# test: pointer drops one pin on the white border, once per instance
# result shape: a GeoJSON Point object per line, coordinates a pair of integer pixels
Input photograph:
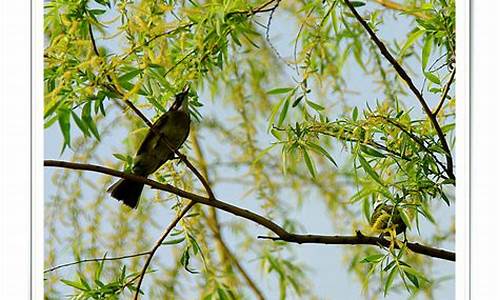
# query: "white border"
{"type": "Point", "coordinates": [15, 157]}
{"type": "Point", "coordinates": [462, 271]}
{"type": "Point", "coordinates": [37, 224]}
{"type": "Point", "coordinates": [485, 150]}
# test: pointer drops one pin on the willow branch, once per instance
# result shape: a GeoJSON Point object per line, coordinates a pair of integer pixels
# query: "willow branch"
{"type": "Point", "coordinates": [251, 216]}
{"type": "Point", "coordinates": [402, 73]}
{"type": "Point", "coordinates": [159, 243]}
{"type": "Point", "coordinates": [445, 93]}
{"type": "Point", "coordinates": [96, 260]}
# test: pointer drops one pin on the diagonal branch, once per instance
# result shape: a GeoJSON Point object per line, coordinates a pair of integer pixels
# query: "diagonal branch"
{"type": "Point", "coordinates": [282, 234]}
{"type": "Point", "coordinates": [399, 69]}
{"type": "Point", "coordinates": [445, 93]}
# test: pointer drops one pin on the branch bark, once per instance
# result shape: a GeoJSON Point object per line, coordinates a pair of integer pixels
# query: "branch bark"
{"type": "Point", "coordinates": [281, 233]}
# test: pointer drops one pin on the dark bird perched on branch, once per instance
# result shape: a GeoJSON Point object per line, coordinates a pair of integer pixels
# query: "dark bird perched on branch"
{"type": "Point", "coordinates": [166, 136]}
{"type": "Point", "coordinates": [385, 217]}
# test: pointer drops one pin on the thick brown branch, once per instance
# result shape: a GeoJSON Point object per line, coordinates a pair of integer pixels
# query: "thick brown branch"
{"type": "Point", "coordinates": [246, 214]}
{"type": "Point", "coordinates": [402, 73]}
{"type": "Point", "coordinates": [360, 239]}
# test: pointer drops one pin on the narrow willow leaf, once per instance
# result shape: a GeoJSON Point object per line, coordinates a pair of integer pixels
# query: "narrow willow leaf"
{"type": "Point", "coordinates": [372, 152]}
{"type": "Point", "coordinates": [375, 258]}
{"type": "Point", "coordinates": [174, 242]}
{"type": "Point", "coordinates": [274, 112]}
{"type": "Point", "coordinates": [129, 76]}
{"type": "Point", "coordinates": [284, 111]}
{"type": "Point", "coordinates": [410, 41]}
{"type": "Point", "coordinates": [389, 280]}
{"type": "Point", "coordinates": [80, 123]}
{"type": "Point", "coordinates": [320, 150]}
{"type": "Point", "coordinates": [315, 106]}
{"type": "Point", "coordinates": [426, 51]}
{"type": "Point", "coordinates": [369, 170]}
{"type": "Point", "coordinates": [279, 91]}
{"type": "Point", "coordinates": [263, 152]}
{"type": "Point", "coordinates": [309, 163]}
{"type": "Point", "coordinates": [63, 116]}
{"type": "Point", "coordinates": [357, 3]}
{"type": "Point", "coordinates": [433, 78]}
{"type": "Point", "coordinates": [355, 114]}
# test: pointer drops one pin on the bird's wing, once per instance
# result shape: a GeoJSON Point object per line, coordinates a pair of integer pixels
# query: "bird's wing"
{"type": "Point", "coordinates": [152, 138]}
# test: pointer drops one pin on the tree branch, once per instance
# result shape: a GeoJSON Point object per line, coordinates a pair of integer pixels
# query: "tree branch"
{"type": "Point", "coordinates": [95, 260]}
{"type": "Point", "coordinates": [246, 214]}
{"type": "Point", "coordinates": [445, 93]}
{"type": "Point", "coordinates": [158, 244]}
{"type": "Point", "coordinates": [399, 69]}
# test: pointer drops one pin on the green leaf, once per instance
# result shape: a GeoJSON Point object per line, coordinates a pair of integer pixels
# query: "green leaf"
{"type": "Point", "coordinates": [433, 78]}
{"type": "Point", "coordinates": [279, 91]}
{"type": "Point", "coordinates": [129, 76]}
{"type": "Point", "coordinates": [120, 157]}
{"type": "Point", "coordinates": [373, 258]}
{"type": "Point", "coordinates": [74, 284]}
{"type": "Point", "coordinates": [405, 218]}
{"type": "Point", "coordinates": [297, 101]}
{"type": "Point", "coordinates": [366, 206]}
{"type": "Point", "coordinates": [357, 3]}
{"type": "Point", "coordinates": [411, 40]}
{"type": "Point", "coordinates": [175, 241]}
{"type": "Point", "coordinates": [372, 152]}
{"type": "Point", "coordinates": [309, 163]}
{"type": "Point", "coordinates": [87, 118]}
{"type": "Point", "coordinates": [315, 106]}
{"type": "Point", "coordinates": [97, 12]}
{"type": "Point", "coordinates": [263, 152]}
{"type": "Point", "coordinates": [63, 115]}
{"type": "Point", "coordinates": [426, 51]}
{"type": "Point", "coordinates": [369, 170]}
{"type": "Point", "coordinates": [274, 112]}
{"type": "Point", "coordinates": [284, 111]}
{"type": "Point", "coordinates": [50, 122]}
{"type": "Point", "coordinates": [80, 123]}
{"type": "Point", "coordinates": [389, 280]}
{"type": "Point", "coordinates": [320, 150]}
{"type": "Point", "coordinates": [355, 114]}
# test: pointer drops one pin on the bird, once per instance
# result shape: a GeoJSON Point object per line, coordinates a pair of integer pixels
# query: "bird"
{"type": "Point", "coordinates": [164, 137]}
{"type": "Point", "coordinates": [386, 216]}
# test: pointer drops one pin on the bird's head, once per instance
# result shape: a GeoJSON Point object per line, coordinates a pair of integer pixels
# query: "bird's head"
{"type": "Point", "coordinates": [181, 101]}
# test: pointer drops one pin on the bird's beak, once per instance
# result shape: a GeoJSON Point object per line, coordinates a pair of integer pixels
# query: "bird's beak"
{"type": "Point", "coordinates": [180, 99]}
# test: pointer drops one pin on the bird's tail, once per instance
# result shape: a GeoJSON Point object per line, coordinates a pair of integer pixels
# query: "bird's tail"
{"type": "Point", "coordinates": [127, 191]}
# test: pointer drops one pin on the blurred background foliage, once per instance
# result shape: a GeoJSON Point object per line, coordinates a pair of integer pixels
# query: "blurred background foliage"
{"type": "Point", "coordinates": [297, 116]}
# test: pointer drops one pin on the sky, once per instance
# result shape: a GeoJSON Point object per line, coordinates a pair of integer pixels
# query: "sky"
{"type": "Point", "coordinates": [328, 272]}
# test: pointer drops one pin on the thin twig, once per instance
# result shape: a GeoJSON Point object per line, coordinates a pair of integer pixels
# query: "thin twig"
{"type": "Point", "coordinates": [159, 243]}
{"type": "Point", "coordinates": [246, 214]}
{"type": "Point", "coordinates": [445, 93]}
{"type": "Point", "coordinates": [399, 69]}
{"type": "Point", "coordinates": [95, 260]}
